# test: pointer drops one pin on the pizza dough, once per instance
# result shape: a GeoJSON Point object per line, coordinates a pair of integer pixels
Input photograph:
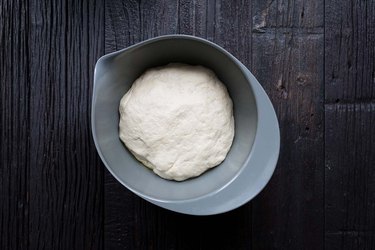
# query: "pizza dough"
{"type": "Point", "coordinates": [177, 120]}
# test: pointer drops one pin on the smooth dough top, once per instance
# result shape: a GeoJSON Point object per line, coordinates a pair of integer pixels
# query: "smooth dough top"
{"type": "Point", "coordinates": [177, 120]}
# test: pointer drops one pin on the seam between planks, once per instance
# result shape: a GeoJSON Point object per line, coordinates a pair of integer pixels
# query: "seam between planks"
{"type": "Point", "coordinates": [324, 125]}
{"type": "Point", "coordinates": [359, 102]}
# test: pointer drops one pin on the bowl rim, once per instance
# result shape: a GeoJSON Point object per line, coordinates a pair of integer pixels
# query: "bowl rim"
{"type": "Point", "coordinates": [251, 81]}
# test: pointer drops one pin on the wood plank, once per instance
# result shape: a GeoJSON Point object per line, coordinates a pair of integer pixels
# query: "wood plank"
{"type": "Point", "coordinates": [349, 50]}
{"type": "Point", "coordinates": [288, 14]}
{"type": "Point", "coordinates": [157, 228]}
{"type": "Point", "coordinates": [288, 62]}
{"type": "Point", "coordinates": [66, 177]}
{"type": "Point", "coordinates": [123, 27]}
{"type": "Point", "coordinates": [350, 176]}
{"type": "Point", "coordinates": [131, 222]}
{"type": "Point", "coordinates": [233, 28]}
{"type": "Point", "coordinates": [14, 125]}
{"type": "Point", "coordinates": [128, 22]}
{"type": "Point", "coordinates": [193, 18]}
{"type": "Point", "coordinates": [350, 240]}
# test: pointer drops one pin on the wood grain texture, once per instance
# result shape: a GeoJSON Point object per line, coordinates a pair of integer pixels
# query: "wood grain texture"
{"type": "Point", "coordinates": [192, 17]}
{"type": "Point", "coordinates": [288, 62]}
{"type": "Point", "coordinates": [349, 124]}
{"type": "Point", "coordinates": [350, 176]}
{"type": "Point", "coordinates": [14, 125]}
{"type": "Point", "coordinates": [349, 50]}
{"type": "Point", "coordinates": [124, 26]}
{"type": "Point", "coordinates": [271, 14]}
{"type": "Point", "coordinates": [233, 28]}
{"type": "Point", "coordinates": [65, 175]}
{"type": "Point", "coordinates": [129, 22]}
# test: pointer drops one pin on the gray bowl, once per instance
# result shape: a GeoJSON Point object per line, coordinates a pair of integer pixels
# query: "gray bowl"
{"type": "Point", "coordinates": [251, 160]}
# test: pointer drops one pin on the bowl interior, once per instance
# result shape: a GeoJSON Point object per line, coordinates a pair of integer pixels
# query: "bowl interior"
{"type": "Point", "coordinates": [114, 75]}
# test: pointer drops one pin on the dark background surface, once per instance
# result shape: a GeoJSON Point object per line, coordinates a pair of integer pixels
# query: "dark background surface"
{"type": "Point", "coordinates": [316, 61]}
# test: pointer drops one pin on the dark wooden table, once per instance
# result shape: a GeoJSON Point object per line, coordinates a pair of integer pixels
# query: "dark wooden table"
{"type": "Point", "coordinates": [316, 61]}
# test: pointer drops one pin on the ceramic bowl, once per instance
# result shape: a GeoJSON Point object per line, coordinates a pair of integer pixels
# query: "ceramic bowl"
{"type": "Point", "coordinates": [251, 160]}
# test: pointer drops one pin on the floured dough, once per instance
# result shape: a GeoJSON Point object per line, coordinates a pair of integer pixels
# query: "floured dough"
{"type": "Point", "coordinates": [177, 120]}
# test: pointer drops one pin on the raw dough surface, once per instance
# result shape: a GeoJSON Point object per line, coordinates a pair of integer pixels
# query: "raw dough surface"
{"type": "Point", "coordinates": [177, 120]}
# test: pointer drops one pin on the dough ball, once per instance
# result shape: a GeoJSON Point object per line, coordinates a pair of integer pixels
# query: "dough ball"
{"type": "Point", "coordinates": [177, 120]}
